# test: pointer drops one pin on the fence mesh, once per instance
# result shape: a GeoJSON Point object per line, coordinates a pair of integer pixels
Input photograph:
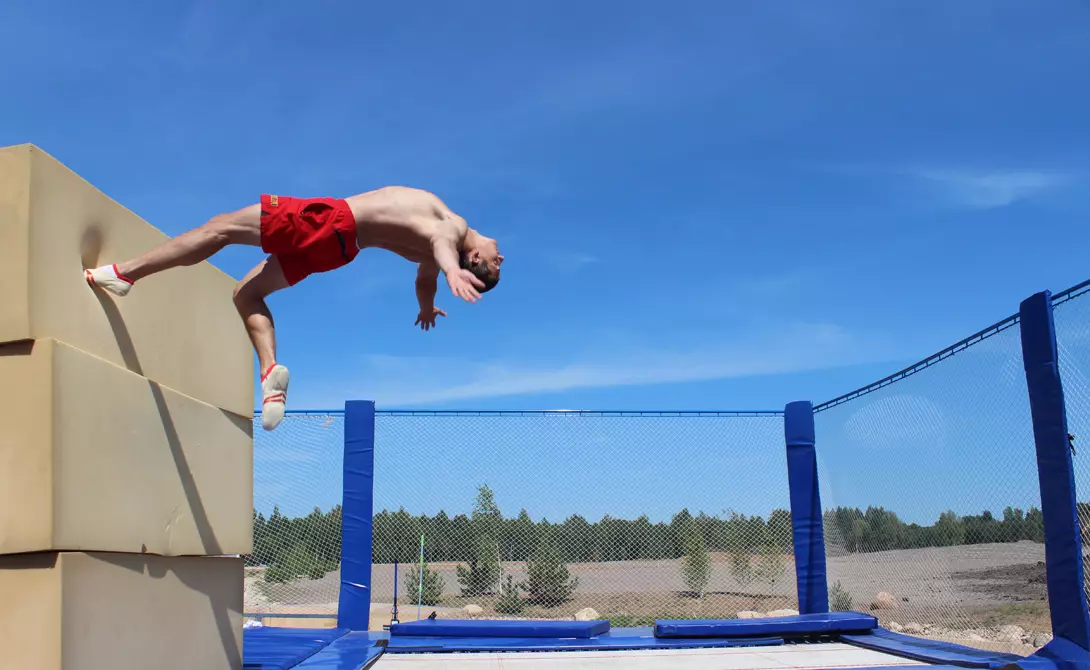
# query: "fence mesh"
{"type": "Point", "coordinates": [294, 568]}
{"type": "Point", "coordinates": [540, 515]}
{"type": "Point", "coordinates": [932, 503]}
{"type": "Point", "coordinates": [1072, 317]}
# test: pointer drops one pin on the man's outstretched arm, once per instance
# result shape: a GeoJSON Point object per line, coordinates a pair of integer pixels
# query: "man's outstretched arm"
{"type": "Point", "coordinates": [427, 275]}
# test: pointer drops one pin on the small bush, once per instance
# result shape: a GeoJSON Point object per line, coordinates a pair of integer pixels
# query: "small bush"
{"type": "Point", "coordinates": [430, 592]}
{"type": "Point", "coordinates": [839, 599]}
{"type": "Point", "coordinates": [548, 581]}
{"type": "Point", "coordinates": [483, 572]}
{"type": "Point", "coordinates": [695, 566]}
{"type": "Point", "coordinates": [741, 568]}
{"type": "Point", "coordinates": [509, 601]}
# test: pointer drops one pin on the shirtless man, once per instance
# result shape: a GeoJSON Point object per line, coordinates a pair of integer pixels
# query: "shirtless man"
{"type": "Point", "coordinates": [304, 236]}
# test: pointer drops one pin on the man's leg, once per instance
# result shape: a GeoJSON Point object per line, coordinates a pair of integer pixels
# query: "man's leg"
{"type": "Point", "coordinates": [191, 247]}
{"type": "Point", "coordinates": [250, 293]}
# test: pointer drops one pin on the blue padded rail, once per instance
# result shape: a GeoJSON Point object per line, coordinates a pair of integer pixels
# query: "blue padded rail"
{"type": "Point", "coordinates": [830, 623]}
{"type": "Point", "coordinates": [271, 648]}
{"type": "Point", "coordinates": [615, 639]}
{"type": "Point", "coordinates": [929, 651]}
{"type": "Point", "coordinates": [498, 628]}
{"type": "Point", "coordinates": [1060, 654]}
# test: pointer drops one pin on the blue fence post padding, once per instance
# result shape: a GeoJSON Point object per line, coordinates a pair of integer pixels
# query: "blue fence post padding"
{"type": "Point", "coordinates": [354, 608]}
{"type": "Point", "coordinates": [1063, 545]}
{"type": "Point", "coordinates": [809, 538]}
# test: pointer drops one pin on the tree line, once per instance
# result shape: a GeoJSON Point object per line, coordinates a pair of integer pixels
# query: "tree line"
{"type": "Point", "coordinates": [310, 545]}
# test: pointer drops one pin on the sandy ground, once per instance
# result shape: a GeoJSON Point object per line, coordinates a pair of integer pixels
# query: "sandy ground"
{"type": "Point", "coordinates": [966, 594]}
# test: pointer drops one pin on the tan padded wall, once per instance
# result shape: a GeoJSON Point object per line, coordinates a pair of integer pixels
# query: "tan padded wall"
{"type": "Point", "coordinates": [96, 458]}
{"type": "Point", "coordinates": [179, 328]}
{"type": "Point", "coordinates": [77, 611]}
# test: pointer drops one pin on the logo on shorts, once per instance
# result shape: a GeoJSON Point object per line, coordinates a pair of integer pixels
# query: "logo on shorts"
{"type": "Point", "coordinates": [274, 200]}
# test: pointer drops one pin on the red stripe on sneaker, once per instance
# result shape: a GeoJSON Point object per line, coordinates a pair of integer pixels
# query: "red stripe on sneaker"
{"type": "Point", "coordinates": [266, 375]}
{"type": "Point", "coordinates": [276, 397]}
{"type": "Point", "coordinates": [121, 276]}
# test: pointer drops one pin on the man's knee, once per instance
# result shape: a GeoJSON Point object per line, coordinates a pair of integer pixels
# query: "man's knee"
{"type": "Point", "coordinates": [242, 227]}
{"type": "Point", "coordinates": [245, 296]}
{"type": "Point", "coordinates": [218, 228]}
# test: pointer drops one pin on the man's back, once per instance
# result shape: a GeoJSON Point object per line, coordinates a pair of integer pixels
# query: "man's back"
{"type": "Point", "coordinates": [404, 220]}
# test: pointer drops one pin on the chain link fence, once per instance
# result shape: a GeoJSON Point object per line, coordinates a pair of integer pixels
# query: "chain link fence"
{"type": "Point", "coordinates": [542, 515]}
{"type": "Point", "coordinates": [295, 565]}
{"type": "Point", "coordinates": [1072, 317]}
{"type": "Point", "coordinates": [929, 486]}
{"type": "Point", "coordinates": [932, 502]}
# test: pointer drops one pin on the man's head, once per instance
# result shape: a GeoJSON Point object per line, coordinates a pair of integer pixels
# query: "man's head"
{"type": "Point", "coordinates": [481, 256]}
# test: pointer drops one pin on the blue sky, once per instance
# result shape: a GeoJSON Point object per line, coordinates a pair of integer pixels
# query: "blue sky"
{"type": "Point", "coordinates": [711, 205]}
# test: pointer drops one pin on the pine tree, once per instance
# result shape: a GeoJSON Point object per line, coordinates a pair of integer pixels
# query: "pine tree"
{"type": "Point", "coordinates": [509, 601]}
{"type": "Point", "coordinates": [695, 565]}
{"type": "Point", "coordinates": [428, 593]}
{"type": "Point", "coordinates": [483, 570]}
{"type": "Point", "coordinates": [548, 582]}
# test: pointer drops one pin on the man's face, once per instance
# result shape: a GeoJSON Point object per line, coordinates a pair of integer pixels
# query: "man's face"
{"type": "Point", "coordinates": [489, 253]}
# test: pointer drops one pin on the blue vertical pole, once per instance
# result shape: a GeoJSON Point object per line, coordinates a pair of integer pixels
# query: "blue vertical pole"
{"type": "Point", "coordinates": [808, 535]}
{"type": "Point", "coordinates": [1063, 544]}
{"type": "Point", "coordinates": [354, 608]}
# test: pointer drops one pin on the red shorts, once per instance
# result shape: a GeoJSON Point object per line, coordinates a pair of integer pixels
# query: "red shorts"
{"type": "Point", "coordinates": [307, 235]}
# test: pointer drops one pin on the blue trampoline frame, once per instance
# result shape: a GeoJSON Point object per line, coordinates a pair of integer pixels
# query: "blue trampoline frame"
{"type": "Point", "coordinates": [350, 646]}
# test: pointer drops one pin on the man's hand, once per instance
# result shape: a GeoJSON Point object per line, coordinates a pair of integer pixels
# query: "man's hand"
{"type": "Point", "coordinates": [464, 284]}
{"type": "Point", "coordinates": [426, 318]}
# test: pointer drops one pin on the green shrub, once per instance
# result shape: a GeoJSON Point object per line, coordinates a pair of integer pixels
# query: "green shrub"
{"type": "Point", "coordinates": [548, 582]}
{"type": "Point", "coordinates": [430, 592]}
{"type": "Point", "coordinates": [482, 573]}
{"type": "Point", "coordinates": [839, 599]}
{"type": "Point", "coordinates": [509, 601]}
{"type": "Point", "coordinates": [695, 566]}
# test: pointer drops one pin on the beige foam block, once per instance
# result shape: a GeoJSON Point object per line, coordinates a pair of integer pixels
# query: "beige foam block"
{"type": "Point", "coordinates": [179, 327]}
{"type": "Point", "coordinates": [94, 457]}
{"type": "Point", "coordinates": [80, 611]}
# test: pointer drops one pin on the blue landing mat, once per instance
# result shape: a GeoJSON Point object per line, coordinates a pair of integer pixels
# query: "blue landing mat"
{"type": "Point", "coordinates": [351, 652]}
{"type": "Point", "coordinates": [498, 628]}
{"type": "Point", "coordinates": [271, 648]}
{"type": "Point", "coordinates": [618, 638]}
{"type": "Point", "coordinates": [833, 623]}
{"type": "Point", "coordinates": [929, 651]}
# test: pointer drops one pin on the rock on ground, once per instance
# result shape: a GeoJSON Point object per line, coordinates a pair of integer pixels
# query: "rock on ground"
{"type": "Point", "coordinates": [472, 610]}
{"type": "Point", "coordinates": [586, 614]}
{"type": "Point", "coordinates": [749, 615]}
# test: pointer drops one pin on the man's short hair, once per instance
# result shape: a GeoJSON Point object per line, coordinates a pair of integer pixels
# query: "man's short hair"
{"type": "Point", "coordinates": [481, 271]}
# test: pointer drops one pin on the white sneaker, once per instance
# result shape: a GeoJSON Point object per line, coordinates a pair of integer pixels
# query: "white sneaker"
{"type": "Point", "coordinates": [274, 389]}
{"type": "Point", "coordinates": [106, 277]}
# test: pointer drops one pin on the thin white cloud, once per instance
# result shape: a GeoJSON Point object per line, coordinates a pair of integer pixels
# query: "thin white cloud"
{"type": "Point", "coordinates": [413, 381]}
{"type": "Point", "coordinates": [987, 189]}
{"type": "Point", "coordinates": [569, 261]}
